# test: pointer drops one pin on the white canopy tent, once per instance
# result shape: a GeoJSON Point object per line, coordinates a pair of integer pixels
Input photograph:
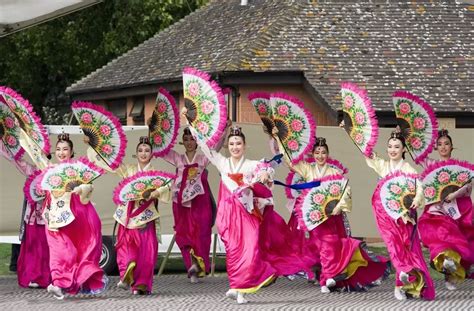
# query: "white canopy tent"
{"type": "Point", "coordinates": [16, 15]}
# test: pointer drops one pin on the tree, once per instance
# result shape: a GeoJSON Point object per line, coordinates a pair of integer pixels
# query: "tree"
{"type": "Point", "coordinates": [40, 62]}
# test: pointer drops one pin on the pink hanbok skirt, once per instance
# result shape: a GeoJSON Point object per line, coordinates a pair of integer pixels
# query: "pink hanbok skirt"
{"type": "Point", "coordinates": [139, 246]}
{"type": "Point", "coordinates": [75, 251]}
{"type": "Point", "coordinates": [247, 270]}
{"type": "Point", "coordinates": [33, 262]}
{"type": "Point", "coordinates": [405, 251]}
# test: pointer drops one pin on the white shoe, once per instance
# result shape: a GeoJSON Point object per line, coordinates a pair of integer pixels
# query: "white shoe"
{"type": "Point", "coordinates": [450, 286]}
{"type": "Point", "coordinates": [404, 278]}
{"type": "Point", "coordinates": [377, 282]}
{"type": "Point", "coordinates": [33, 285]}
{"type": "Point", "coordinates": [193, 279]}
{"type": "Point", "coordinates": [330, 282]}
{"type": "Point", "coordinates": [325, 290]}
{"type": "Point", "coordinates": [123, 285]}
{"type": "Point", "coordinates": [400, 294]}
{"type": "Point", "coordinates": [241, 299]}
{"type": "Point", "coordinates": [56, 291]}
{"type": "Point", "coordinates": [231, 293]}
{"type": "Point", "coordinates": [449, 265]}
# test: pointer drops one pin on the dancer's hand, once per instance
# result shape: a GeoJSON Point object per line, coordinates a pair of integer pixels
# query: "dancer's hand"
{"type": "Point", "coordinates": [342, 124]}
{"type": "Point", "coordinates": [86, 139]}
{"type": "Point", "coordinates": [414, 205]}
{"type": "Point", "coordinates": [274, 131]}
{"type": "Point", "coordinates": [155, 194]}
{"type": "Point", "coordinates": [184, 111]}
{"type": "Point", "coordinates": [449, 198]}
{"type": "Point", "coordinates": [264, 178]}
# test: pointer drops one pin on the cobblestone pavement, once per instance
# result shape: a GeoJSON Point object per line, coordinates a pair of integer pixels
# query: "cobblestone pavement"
{"type": "Point", "coordinates": [174, 292]}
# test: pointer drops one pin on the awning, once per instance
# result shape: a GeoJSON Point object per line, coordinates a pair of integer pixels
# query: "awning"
{"type": "Point", "coordinates": [16, 15]}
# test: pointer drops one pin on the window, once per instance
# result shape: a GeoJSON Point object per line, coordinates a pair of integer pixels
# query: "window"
{"type": "Point", "coordinates": [138, 109]}
{"type": "Point", "coordinates": [119, 108]}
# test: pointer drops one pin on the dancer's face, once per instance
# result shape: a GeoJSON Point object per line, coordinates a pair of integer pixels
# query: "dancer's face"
{"type": "Point", "coordinates": [395, 149]}
{"type": "Point", "coordinates": [63, 151]}
{"type": "Point", "coordinates": [144, 154]}
{"type": "Point", "coordinates": [444, 147]}
{"type": "Point", "coordinates": [236, 147]}
{"type": "Point", "coordinates": [189, 143]}
{"type": "Point", "coordinates": [320, 154]}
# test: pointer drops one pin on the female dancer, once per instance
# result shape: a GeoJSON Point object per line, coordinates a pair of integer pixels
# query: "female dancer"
{"type": "Point", "coordinates": [73, 234]}
{"type": "Point", "coordinates": [33, 262]}
{"type": "Point", "coordinates": [237, 225]}
{"type": "Point", "coordinates": [450, 238]}
{"type": "Point", "coordinates": [344, 261]}
{"type": "Point", "coordinates": [192, 207]}
{"type": "Point", "coordinates": [137, 244]}
{"type": "Point", "coordinates": [404, 248]}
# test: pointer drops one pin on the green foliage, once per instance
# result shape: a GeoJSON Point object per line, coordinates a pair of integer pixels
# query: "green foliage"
{"type": "Point", "coordinates": [40, 62]}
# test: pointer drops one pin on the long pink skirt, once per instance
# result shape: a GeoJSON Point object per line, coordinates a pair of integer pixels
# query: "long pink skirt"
{"type": "Point", "coordinates": [405, 253]}
{"type": "Point", "coordinates": [75, 251]}
{"type": "Point", "coordinates": [307, 248]}
{"type": "Point", "coordinates": [277, 245]}
{"type": "Point", "coordinates": [193, 227]}
{"type": "Point", "coordinates": [336, 252]}
{"type": "Point", "coordinates": [240, 231]}
{"type": "Point", "coordinates": [139, 246]}
{"type": "Point", "coordinates": [33, 262]}
{"type": "Point", "coordinates": [440, 233]}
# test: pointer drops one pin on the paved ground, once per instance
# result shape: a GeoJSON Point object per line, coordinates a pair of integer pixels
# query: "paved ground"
{"type": "Point", "coordinates": [173, 292]}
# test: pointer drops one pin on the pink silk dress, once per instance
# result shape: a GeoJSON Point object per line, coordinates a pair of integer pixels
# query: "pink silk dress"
{"type": "Point", "coordinates": [341, 257]}
{"type": "Point", "coordinates": [192, 209]}
{"type": "Point", "coordinates": [448, 235]}
{"type": "Point", "coordinates": [403, 246]}
{"type": "Point", "coordinates": [33, 262]}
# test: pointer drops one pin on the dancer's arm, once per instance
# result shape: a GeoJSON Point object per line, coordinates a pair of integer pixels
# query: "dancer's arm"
{"type": "Point", "coordinates": [345, 203]}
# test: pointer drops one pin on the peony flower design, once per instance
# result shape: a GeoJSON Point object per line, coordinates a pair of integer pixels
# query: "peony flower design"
{"type": "Point", "coordinates": [9, 122]}
{"type": "Point", "coordinates": [393, 205]}
{"type": "Point", "coordinates": [105, 130]}
{"type": "Point", "coordinates": [262, 109]}
{"type": "Point", "coordinates": [318, 198]}
{"type": "Point", "coordinates": [87, 176]}
{"type": "Point", "coordinates": [54, 180]}
{"type": "Point", "coordinates": [348, 102]}
{"type": "Point", "coordinates": [86, 118]}
{"type": "Point", "coordinates": [11, 141]}
{"type": "Point", "coordinates": [411, 186]}
{"type": "Point", "coordinates": [107, 149]}
{"type": "Point", "coordinates": [359, 138]}
{"type": "Point", "coordinates": [416, 143]}
{"type": "Point", "coordinates": [207, 107]}
{"type": "Point", "coordinates": [70, 172]}
{"type": "Point", "coordinates": [157, 140]}
{"type": "Point", "coordinates": [165, 125]}
{"type": "Point", "coordinates": [462, 177]}
{"type": "Point", "coordinates": [404, 108]}
{"type": "Point", "coordinates": [429, 192]}
{"type": "Point", "coordinates": [157, 183]}
{"type": "Point", "coordinates": [130, 196]}
{"type": "Point", "coordinates": [419, 123]}
{"type": "Point", "coordinates": [161, 107]}
{"type": "Point", "coordinates": [395, 189]}
{"type": "Point", "coordinates": [139, 186]}
{"type": "Point", "coordinates": [443, 177]}
{"type": "Point", "coordinates": [293, 145]}
{"type": "Point", "coordinates": [283, 110]}
{"type": "Point", "coordinates": [359, 118]}
{"type": "Point", "coordinates": [194, 89]}
{"type": "Point", "coordinates": [297, 125]}
{"type": "Point", "coordinates": [334, 189]}
{"type": "Point", "coordinates": [202, 127]}
{"type": "Point", "coordinates": [315, 216]}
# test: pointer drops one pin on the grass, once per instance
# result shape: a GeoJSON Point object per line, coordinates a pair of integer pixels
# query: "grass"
{"type": "Point", "coordinates": [175, 263]}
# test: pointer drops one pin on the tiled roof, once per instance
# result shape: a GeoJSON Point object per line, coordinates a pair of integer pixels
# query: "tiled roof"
{"type": "Point", "coordinates": [425, 47]}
